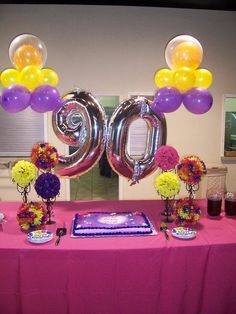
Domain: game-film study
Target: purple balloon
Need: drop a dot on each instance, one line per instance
(167, 99)
(45, 98)
(198, 100)
(15, 98)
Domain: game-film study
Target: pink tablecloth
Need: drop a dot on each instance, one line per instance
(118, 275)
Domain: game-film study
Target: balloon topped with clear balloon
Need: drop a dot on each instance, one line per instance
(28, 83)
(183, 55)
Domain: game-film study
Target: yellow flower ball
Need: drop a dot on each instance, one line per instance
(167, 184)
(23, 173)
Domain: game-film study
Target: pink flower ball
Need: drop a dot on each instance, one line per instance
(166, 157)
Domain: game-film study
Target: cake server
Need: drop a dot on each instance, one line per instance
(164, 229)
(60, 232)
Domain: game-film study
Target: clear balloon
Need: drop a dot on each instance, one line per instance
(116, 150)
(45, 98)
(167, 99)
(203, 78)
(173, 43)
(79, 122)
(187, 54)
(10, 77)
(50, 77)
(27, 49)
(15, 98)
(164, 77)
(198, 100)
(184, 79)
(31, 77)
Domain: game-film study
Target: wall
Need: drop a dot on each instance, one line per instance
(116, 50)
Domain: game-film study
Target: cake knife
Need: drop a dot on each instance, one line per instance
(164, 229)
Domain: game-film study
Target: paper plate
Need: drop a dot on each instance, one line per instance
(39, 236)
(184, 232)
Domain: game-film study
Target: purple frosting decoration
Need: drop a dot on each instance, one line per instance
(47, 185)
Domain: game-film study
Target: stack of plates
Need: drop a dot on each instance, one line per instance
(39, 236)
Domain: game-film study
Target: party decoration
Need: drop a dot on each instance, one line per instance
(198, 100)
(10, 77)
(203, 78)
(48, 187)
(45, 98)
(166, 99)
(167, 185)
(164, 77)
(167, 157)
(121, 162)
(31, 216)
(190, 170)
(187, 54)
(183, 55)
(27, 49)
(28, 54)
(23, 173)
(15, 98)
(183, 50)
(44, 156)
(184, 79)
(31, 77)
(49, 77)
(186, 212)
(79, 122)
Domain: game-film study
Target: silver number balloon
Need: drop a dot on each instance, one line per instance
(118, 129)
(80, 123)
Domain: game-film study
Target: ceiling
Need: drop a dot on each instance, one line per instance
(228, 5)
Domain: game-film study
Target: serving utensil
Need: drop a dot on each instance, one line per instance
(163, 228)
(60, 232)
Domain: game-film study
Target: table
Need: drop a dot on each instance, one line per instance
(118, 275)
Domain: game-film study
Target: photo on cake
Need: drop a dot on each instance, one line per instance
(94, 224)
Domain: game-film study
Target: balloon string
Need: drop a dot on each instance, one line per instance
(137, 172)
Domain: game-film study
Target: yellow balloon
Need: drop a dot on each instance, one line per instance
(50, 77)
(31, 77)
(187, 54)
(164, 77)
(10, 77)
(184, 79)
(203, 78)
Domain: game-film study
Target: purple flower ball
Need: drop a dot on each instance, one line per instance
(47, 185)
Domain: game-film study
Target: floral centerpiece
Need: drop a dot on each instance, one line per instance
(23, 173)
(167, 185)
(190, 170)
(186, 212)
(44, 156)
(166, 157)
(31, 216)
(48, 186)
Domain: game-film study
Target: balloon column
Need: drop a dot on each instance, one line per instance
(183, 81)
(28, 83)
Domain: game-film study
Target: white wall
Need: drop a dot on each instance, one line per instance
(109, 49)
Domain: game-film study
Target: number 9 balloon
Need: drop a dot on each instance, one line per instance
(79, 122)
(118, 130)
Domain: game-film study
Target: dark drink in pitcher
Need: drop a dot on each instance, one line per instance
(214, 206)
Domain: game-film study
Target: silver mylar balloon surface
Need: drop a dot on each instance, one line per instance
(79, 123)
(118, 130)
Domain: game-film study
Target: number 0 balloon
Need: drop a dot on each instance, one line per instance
(118, 130)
